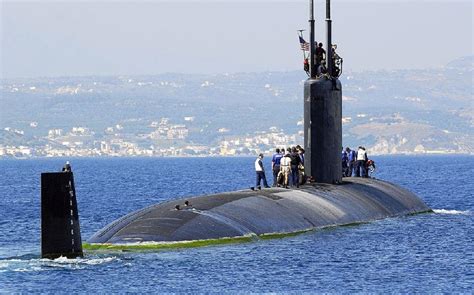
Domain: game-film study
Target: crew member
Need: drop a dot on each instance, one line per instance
(67, 167)
(285, 168)
(351, 155)
(335, 57)
(344, 161)
(295, 162)
(300, 153)
(276, 165)
(301, 174)
(320, 54)
(260, 171)
(370, 166)
(322, 68)
(360, 164)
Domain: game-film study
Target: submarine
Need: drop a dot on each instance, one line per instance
(326, 200)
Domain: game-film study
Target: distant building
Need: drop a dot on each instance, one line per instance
(206, 84)
(164, 121)
(223, 130)
(109, 130)
(80, 131)
(177, 132)
(52, 133)
(16, 131)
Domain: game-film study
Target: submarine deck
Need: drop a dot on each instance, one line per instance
(269, 211)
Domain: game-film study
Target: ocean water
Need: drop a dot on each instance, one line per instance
(425, 253)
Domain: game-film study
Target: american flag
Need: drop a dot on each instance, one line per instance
(304, 45)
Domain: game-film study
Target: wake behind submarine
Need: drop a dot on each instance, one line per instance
(327, 200)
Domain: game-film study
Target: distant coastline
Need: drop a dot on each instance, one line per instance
(425, 111)
(216, 156)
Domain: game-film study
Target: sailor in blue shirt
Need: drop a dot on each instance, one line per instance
(344, 158)
(276, 165)
(351, 155)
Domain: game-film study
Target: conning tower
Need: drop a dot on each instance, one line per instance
(322, 111)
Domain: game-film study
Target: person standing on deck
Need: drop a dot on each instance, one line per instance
(295, 162)
(300, 153)
(345, 162)
(260, 172)
(301, 173)
(360, 163)
(351, 155)
(276, 165)
(285, 167)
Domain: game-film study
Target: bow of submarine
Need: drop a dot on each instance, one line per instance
(269, 211)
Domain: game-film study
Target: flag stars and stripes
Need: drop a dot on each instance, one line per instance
(304, 45)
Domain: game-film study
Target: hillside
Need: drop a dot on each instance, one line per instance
(403, 111)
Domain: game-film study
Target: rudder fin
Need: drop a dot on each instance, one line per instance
(60, 230)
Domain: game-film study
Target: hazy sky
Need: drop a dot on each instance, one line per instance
(58, 38)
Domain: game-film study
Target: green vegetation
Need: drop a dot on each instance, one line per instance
(165, 246)
(187, 244)
(210, 242)
(283, 235)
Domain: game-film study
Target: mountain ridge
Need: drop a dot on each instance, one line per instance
(389, 111)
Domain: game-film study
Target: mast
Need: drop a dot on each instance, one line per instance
(329, 38)
(312, 67)
(323, 116)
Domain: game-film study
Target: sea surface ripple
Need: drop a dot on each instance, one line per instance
(425, 253)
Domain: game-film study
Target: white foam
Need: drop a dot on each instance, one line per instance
(78, 261)
(452, 212)
(99, 260)
(28, 265)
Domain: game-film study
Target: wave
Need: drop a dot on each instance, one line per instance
(17, 264)
(452, 212)
(87, 261)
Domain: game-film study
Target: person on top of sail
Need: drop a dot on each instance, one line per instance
(320, 55)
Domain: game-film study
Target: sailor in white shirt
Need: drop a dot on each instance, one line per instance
(260, 172)
(361, 170)
(285, 168)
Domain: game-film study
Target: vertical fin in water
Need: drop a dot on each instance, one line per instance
(60, 231)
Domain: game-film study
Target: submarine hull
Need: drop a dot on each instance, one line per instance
(269, 211)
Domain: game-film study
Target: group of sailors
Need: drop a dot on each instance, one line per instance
(288, 166)
(356, 163)
(320, 58)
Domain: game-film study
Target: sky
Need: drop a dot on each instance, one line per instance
(76, 38)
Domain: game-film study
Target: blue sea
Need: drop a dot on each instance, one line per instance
(427, 253)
